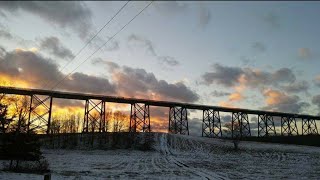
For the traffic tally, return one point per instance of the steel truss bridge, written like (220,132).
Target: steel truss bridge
(95,119)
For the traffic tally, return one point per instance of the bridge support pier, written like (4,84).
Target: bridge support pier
(288,126)
(139,118)
(309,126)
(178,120)
(94,116)
(265,125)
(240,125)
(39,118)
(211,125)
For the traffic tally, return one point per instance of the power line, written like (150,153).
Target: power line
(47,83)
(101,46)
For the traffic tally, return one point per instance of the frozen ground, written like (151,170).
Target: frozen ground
(183,157)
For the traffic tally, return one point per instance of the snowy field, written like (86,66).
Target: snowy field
(184,157)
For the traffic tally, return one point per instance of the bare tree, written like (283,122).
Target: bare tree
(119,121)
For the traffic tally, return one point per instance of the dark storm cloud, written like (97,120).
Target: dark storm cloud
(296,87)
(35,69)
(54,46)
(74,15)
(231,76)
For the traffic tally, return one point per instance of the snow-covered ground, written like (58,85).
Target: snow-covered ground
(184,157)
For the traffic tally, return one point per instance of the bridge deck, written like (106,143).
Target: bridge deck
(83,96)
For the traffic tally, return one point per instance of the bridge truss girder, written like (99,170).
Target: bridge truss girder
(288,126)
(211,124)
(178,120)
(240,125)
(140,118)
(266,125)
(309,126)
(94,116)
(41,108)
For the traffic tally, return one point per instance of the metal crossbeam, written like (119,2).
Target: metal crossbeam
(94,116)
(240,125)
(266,125)
(140,118)
(288,126)
(309,126)
(82,96)
(178,120)
(39,119)
(211,125)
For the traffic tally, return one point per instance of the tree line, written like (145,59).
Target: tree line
(14,115)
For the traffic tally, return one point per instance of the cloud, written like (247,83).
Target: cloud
(271,19)
(227,76)
(204,17)
(148,45)
(112,66)
(316,100)
(280,101)
(236,96)
(259,47)
(296,87)
(112,45)
(5,34)
(55,47)
(74,15)
(232,76)
(216,93)
(195,126)
(36,70)
(317,81)
(170,7)
(304,53)
(138,40)
(170,61)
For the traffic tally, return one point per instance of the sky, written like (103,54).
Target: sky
(254,55)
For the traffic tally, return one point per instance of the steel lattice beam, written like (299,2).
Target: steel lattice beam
(140,118)
(266,125)
(211,125)
(39,119)
(94,116)
(309,126)
(178,120)
(240,125)
(288,126)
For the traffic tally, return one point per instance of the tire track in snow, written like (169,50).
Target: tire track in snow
(171,159)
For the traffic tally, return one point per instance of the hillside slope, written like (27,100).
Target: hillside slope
(185,157)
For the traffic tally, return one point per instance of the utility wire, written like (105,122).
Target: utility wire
(101,46)
(47,83)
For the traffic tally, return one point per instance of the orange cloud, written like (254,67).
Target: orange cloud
(235,97)
(226,104)
(273,96)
